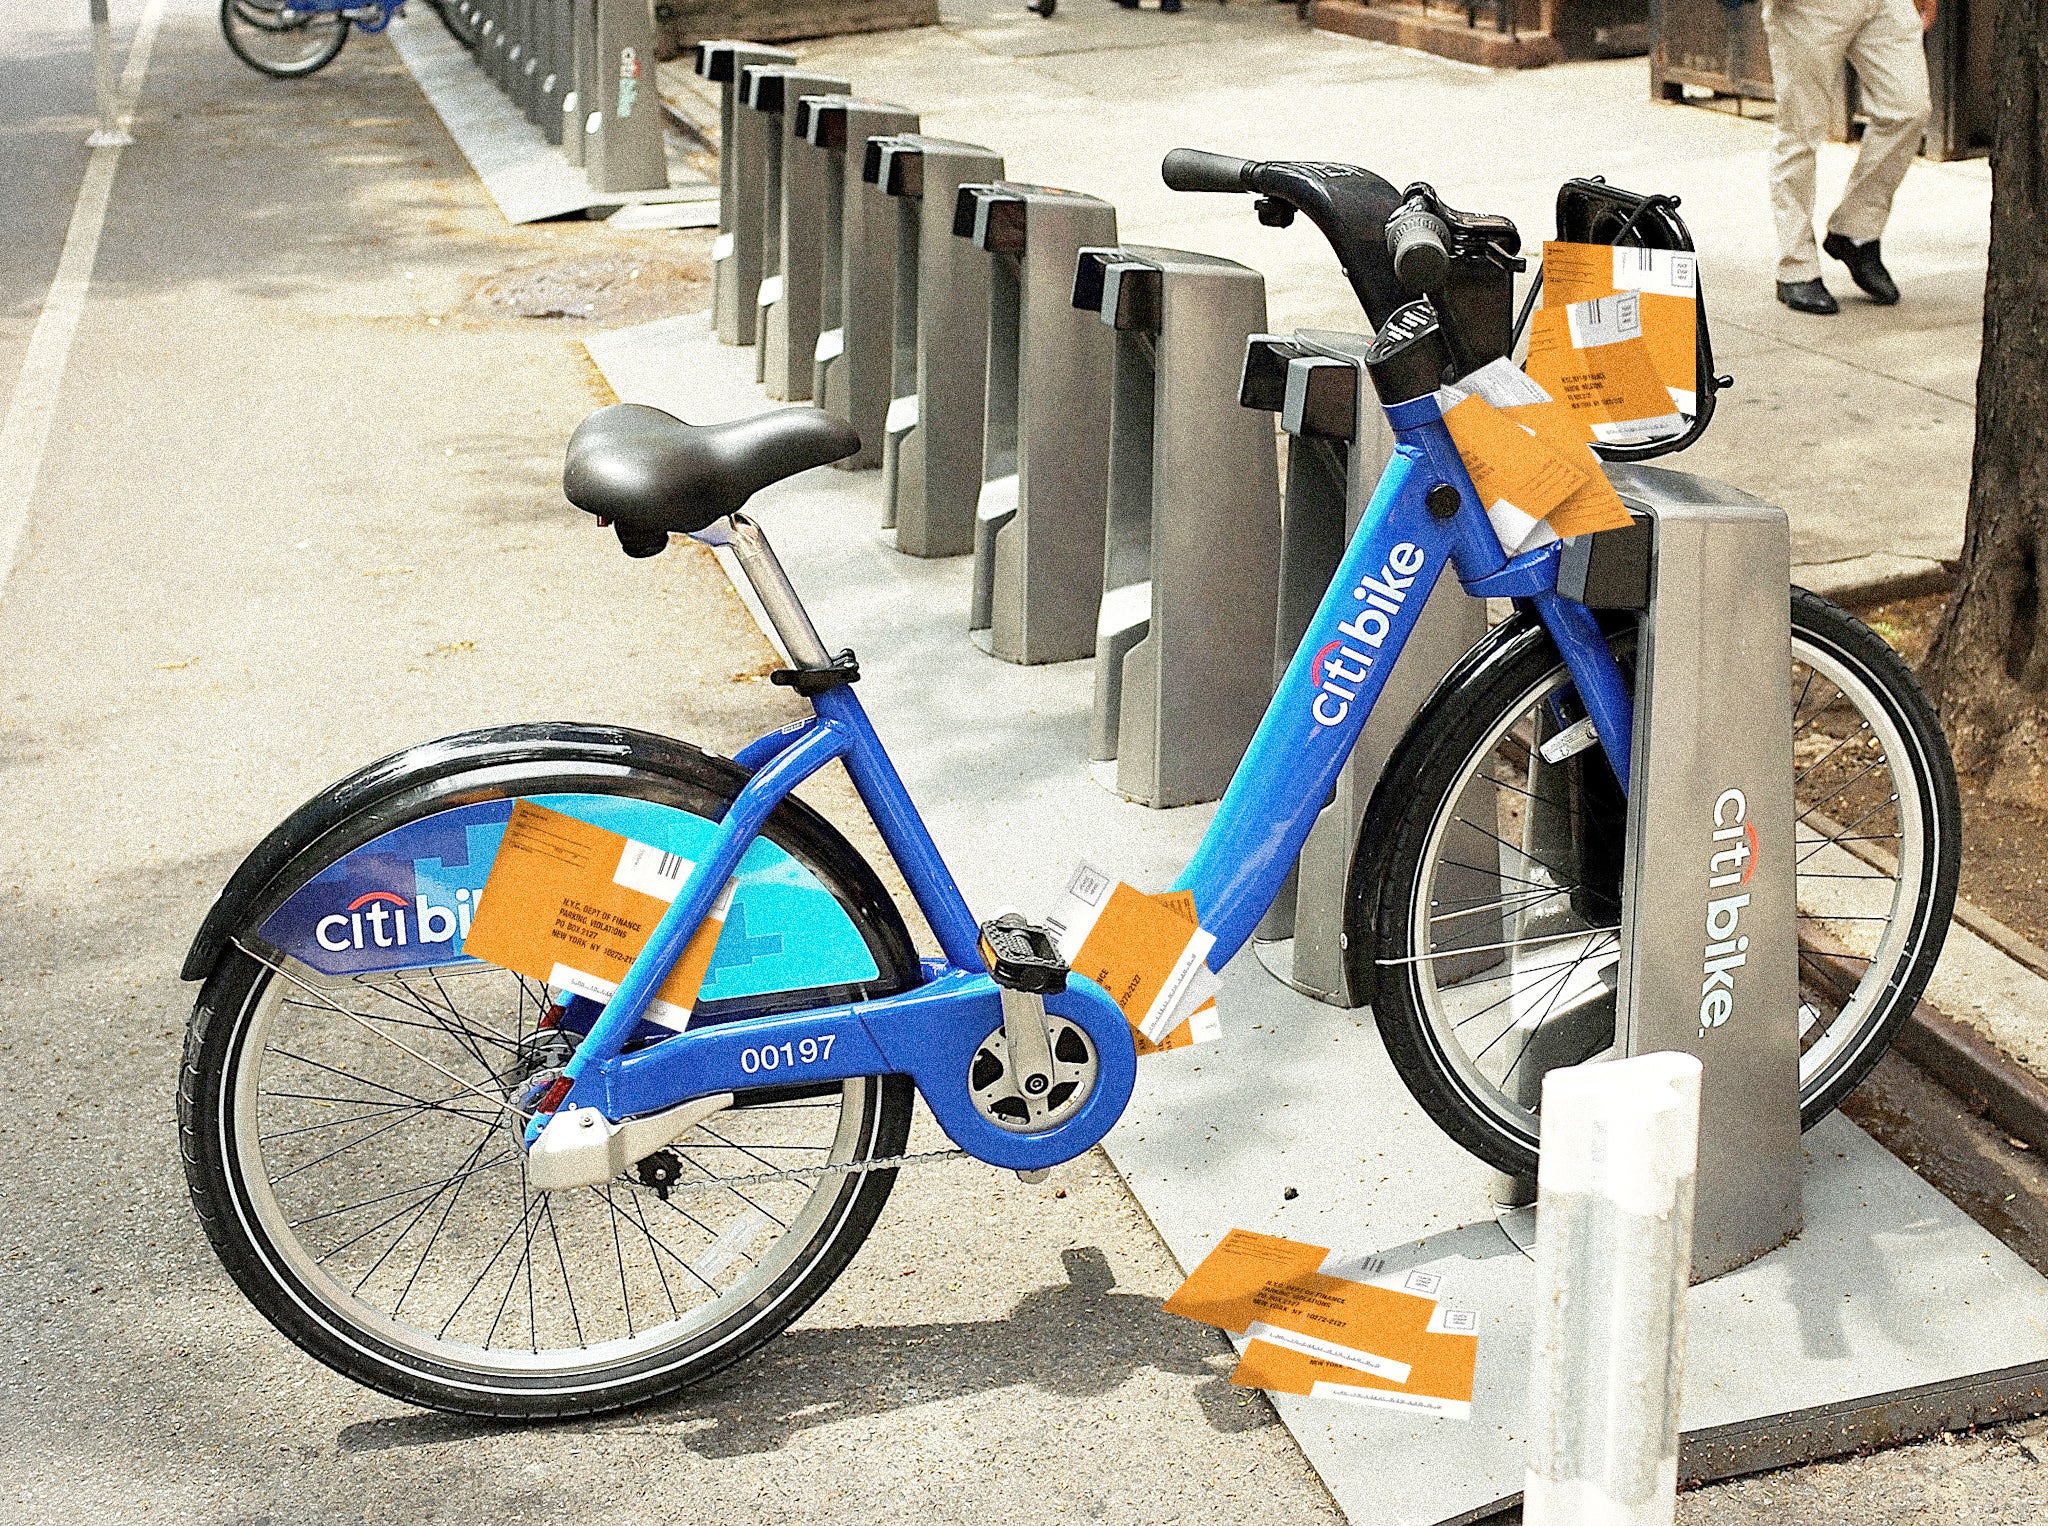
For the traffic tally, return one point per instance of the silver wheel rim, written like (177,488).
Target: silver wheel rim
(439,1250)
(1501,1009)
(287,47)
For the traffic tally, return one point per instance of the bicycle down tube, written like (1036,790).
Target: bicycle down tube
(1321,705)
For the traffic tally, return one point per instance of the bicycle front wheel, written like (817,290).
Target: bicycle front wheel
(273,38)
(352,1139)
(1486,921)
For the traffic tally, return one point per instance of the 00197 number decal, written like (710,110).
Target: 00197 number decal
(774,1056)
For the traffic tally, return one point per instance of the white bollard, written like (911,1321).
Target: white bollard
(108,134)
(1613,1254)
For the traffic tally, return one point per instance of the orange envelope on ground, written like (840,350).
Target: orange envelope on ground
(572,904)
(1277,1291)
(1439,1378)
(1148,952)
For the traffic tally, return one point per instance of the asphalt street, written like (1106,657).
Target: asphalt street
(299,507)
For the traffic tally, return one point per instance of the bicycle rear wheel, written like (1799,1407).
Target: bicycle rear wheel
(1486,923)
(351,1143)
(274,39)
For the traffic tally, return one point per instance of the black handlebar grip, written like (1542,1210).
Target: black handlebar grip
(1192,169)
(1420,243)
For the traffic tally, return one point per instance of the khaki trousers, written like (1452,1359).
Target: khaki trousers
(1809,41)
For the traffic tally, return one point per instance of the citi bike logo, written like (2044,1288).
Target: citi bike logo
(1730,862)
(382,918)
(1341,663)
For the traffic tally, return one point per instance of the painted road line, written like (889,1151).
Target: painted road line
(33,409)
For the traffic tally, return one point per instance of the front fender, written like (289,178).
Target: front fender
(324,822)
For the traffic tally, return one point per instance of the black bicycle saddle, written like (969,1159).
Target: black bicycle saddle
(650,474)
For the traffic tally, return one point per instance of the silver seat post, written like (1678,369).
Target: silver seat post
(778,598)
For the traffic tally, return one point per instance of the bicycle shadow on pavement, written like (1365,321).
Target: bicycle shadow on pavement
(1080,1340)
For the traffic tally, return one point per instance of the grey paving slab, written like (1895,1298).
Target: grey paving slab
(1890,1287)
(526,176)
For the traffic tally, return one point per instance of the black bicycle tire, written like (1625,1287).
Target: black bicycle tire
(459,31)
(209,1074)
(319,62)
(1431,760)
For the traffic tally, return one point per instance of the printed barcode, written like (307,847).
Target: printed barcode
(670,867)
(1644,260)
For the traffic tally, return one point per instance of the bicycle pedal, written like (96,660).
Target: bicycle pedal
(1022,956)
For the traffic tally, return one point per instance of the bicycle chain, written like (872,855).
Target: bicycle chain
(801,1173)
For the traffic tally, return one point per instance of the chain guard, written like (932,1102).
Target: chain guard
(991,1080)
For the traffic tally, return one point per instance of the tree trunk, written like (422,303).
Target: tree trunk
(1988,670)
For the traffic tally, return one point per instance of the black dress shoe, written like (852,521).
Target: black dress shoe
(1807,296)
(1865,268)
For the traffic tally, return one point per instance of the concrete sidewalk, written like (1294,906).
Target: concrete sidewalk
(1860,424)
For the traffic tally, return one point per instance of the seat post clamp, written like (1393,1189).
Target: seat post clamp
(843,669)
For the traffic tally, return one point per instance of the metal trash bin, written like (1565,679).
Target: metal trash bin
(743,138)
(931,455)
(793,245)
(1182,673)
(857,322)
(1045,448)
(1338,446)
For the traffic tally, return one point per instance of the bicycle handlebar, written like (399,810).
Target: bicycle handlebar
(1420,243)
(1193,169)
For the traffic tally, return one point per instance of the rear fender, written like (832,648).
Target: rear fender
(476,765)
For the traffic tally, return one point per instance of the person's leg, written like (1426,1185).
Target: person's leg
(1891,63)
(1808,41)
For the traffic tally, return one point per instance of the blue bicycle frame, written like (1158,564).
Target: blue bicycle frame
(931,1032)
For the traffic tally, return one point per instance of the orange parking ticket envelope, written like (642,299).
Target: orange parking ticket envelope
(1590,356)
(1593,504)
(1518,475)
(1668,281)
(1295,1296)
(1147,952)
(1439,1379)
(1201,1026)
(572,905)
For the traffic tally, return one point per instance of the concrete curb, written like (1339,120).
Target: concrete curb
(1864,581)
(1955,1054)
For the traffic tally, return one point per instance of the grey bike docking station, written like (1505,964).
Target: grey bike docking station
(856,349)
(582,78)
(557,70)
(1710,920)
(1338,444)
(1182,676)
(792,267)
(622,147)
(931,451)
(1045,448)
(743,140)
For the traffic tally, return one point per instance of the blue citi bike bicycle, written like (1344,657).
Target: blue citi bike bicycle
(290,39)
(486,1193)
